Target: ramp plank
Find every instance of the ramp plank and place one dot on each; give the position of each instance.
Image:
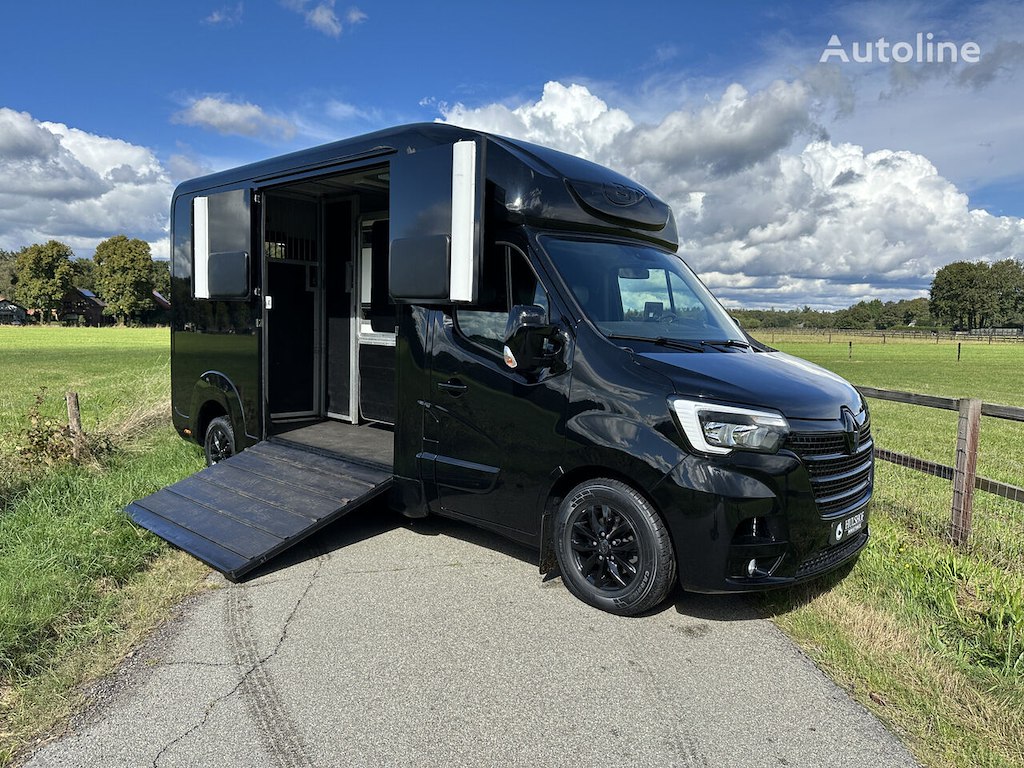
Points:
(210, 553)
(310, 502)
(283, 451)
(301, 476)
(273, 519)
(241, 512)
(245, 540)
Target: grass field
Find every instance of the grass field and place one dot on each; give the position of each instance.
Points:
(989, 371)
(928, 637)
(115, 371)
(79, 584)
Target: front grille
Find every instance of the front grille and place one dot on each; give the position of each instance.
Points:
(841, 481)
(824, 443)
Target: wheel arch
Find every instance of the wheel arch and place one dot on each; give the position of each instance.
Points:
(215, 395)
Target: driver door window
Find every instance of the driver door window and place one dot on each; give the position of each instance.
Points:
(506, 279)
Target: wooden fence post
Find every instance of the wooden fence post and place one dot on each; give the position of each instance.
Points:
(75, 425)
(967, 430)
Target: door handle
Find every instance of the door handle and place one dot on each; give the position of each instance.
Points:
(454, 386)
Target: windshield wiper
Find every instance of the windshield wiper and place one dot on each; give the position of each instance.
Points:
(661, 341)
(726, 343)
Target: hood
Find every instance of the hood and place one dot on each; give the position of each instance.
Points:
(797, 388)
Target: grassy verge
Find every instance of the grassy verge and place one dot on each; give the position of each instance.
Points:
(79, 584)
(929, 637)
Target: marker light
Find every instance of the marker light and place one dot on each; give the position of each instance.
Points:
(720, 429)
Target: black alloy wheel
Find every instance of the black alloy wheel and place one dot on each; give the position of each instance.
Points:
(604, 547)
(613, 548)
(219, 443)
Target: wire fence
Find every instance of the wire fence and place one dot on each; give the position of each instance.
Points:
(963, 473)
(842, 335)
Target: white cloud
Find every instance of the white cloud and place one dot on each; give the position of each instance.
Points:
(770, 212)
(218, 113)
(34, 161)
(724, 137)
(227, 16)
(62, 183)
(568, 117)
(322, 16)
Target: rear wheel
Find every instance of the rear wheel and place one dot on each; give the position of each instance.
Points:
(613, 548)
(219, 443)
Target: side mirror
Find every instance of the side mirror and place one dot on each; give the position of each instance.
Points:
(528, 338)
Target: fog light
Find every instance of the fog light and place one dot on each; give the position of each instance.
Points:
(752, 568)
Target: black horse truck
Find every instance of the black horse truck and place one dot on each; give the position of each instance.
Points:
(489, 330)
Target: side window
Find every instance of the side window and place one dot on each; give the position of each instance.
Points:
(222, 228)
(181, 239)
(506, 279)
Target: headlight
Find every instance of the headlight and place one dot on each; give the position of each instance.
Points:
(720, 429)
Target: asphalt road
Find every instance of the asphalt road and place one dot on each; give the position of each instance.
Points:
(384, 644)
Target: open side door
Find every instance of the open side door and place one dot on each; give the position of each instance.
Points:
(245, 510)
(437, 207)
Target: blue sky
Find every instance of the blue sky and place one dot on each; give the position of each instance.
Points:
(794, 182)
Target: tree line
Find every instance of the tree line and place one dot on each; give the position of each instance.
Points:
(122, 272)
(964, 296)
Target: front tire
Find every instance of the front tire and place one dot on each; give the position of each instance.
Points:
(219, 442)
(613, 548)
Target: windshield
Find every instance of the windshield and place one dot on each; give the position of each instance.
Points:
(630, 290)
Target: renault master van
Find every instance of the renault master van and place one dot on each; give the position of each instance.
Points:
(476, 327)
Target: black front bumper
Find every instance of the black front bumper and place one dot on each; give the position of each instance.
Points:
(753, 522)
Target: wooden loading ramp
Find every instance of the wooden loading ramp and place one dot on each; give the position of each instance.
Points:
(245, 510)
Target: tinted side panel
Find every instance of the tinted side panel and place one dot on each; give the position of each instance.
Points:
(377, 383)
(420, 266)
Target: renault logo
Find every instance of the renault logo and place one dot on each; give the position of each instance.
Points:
(851, 430)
